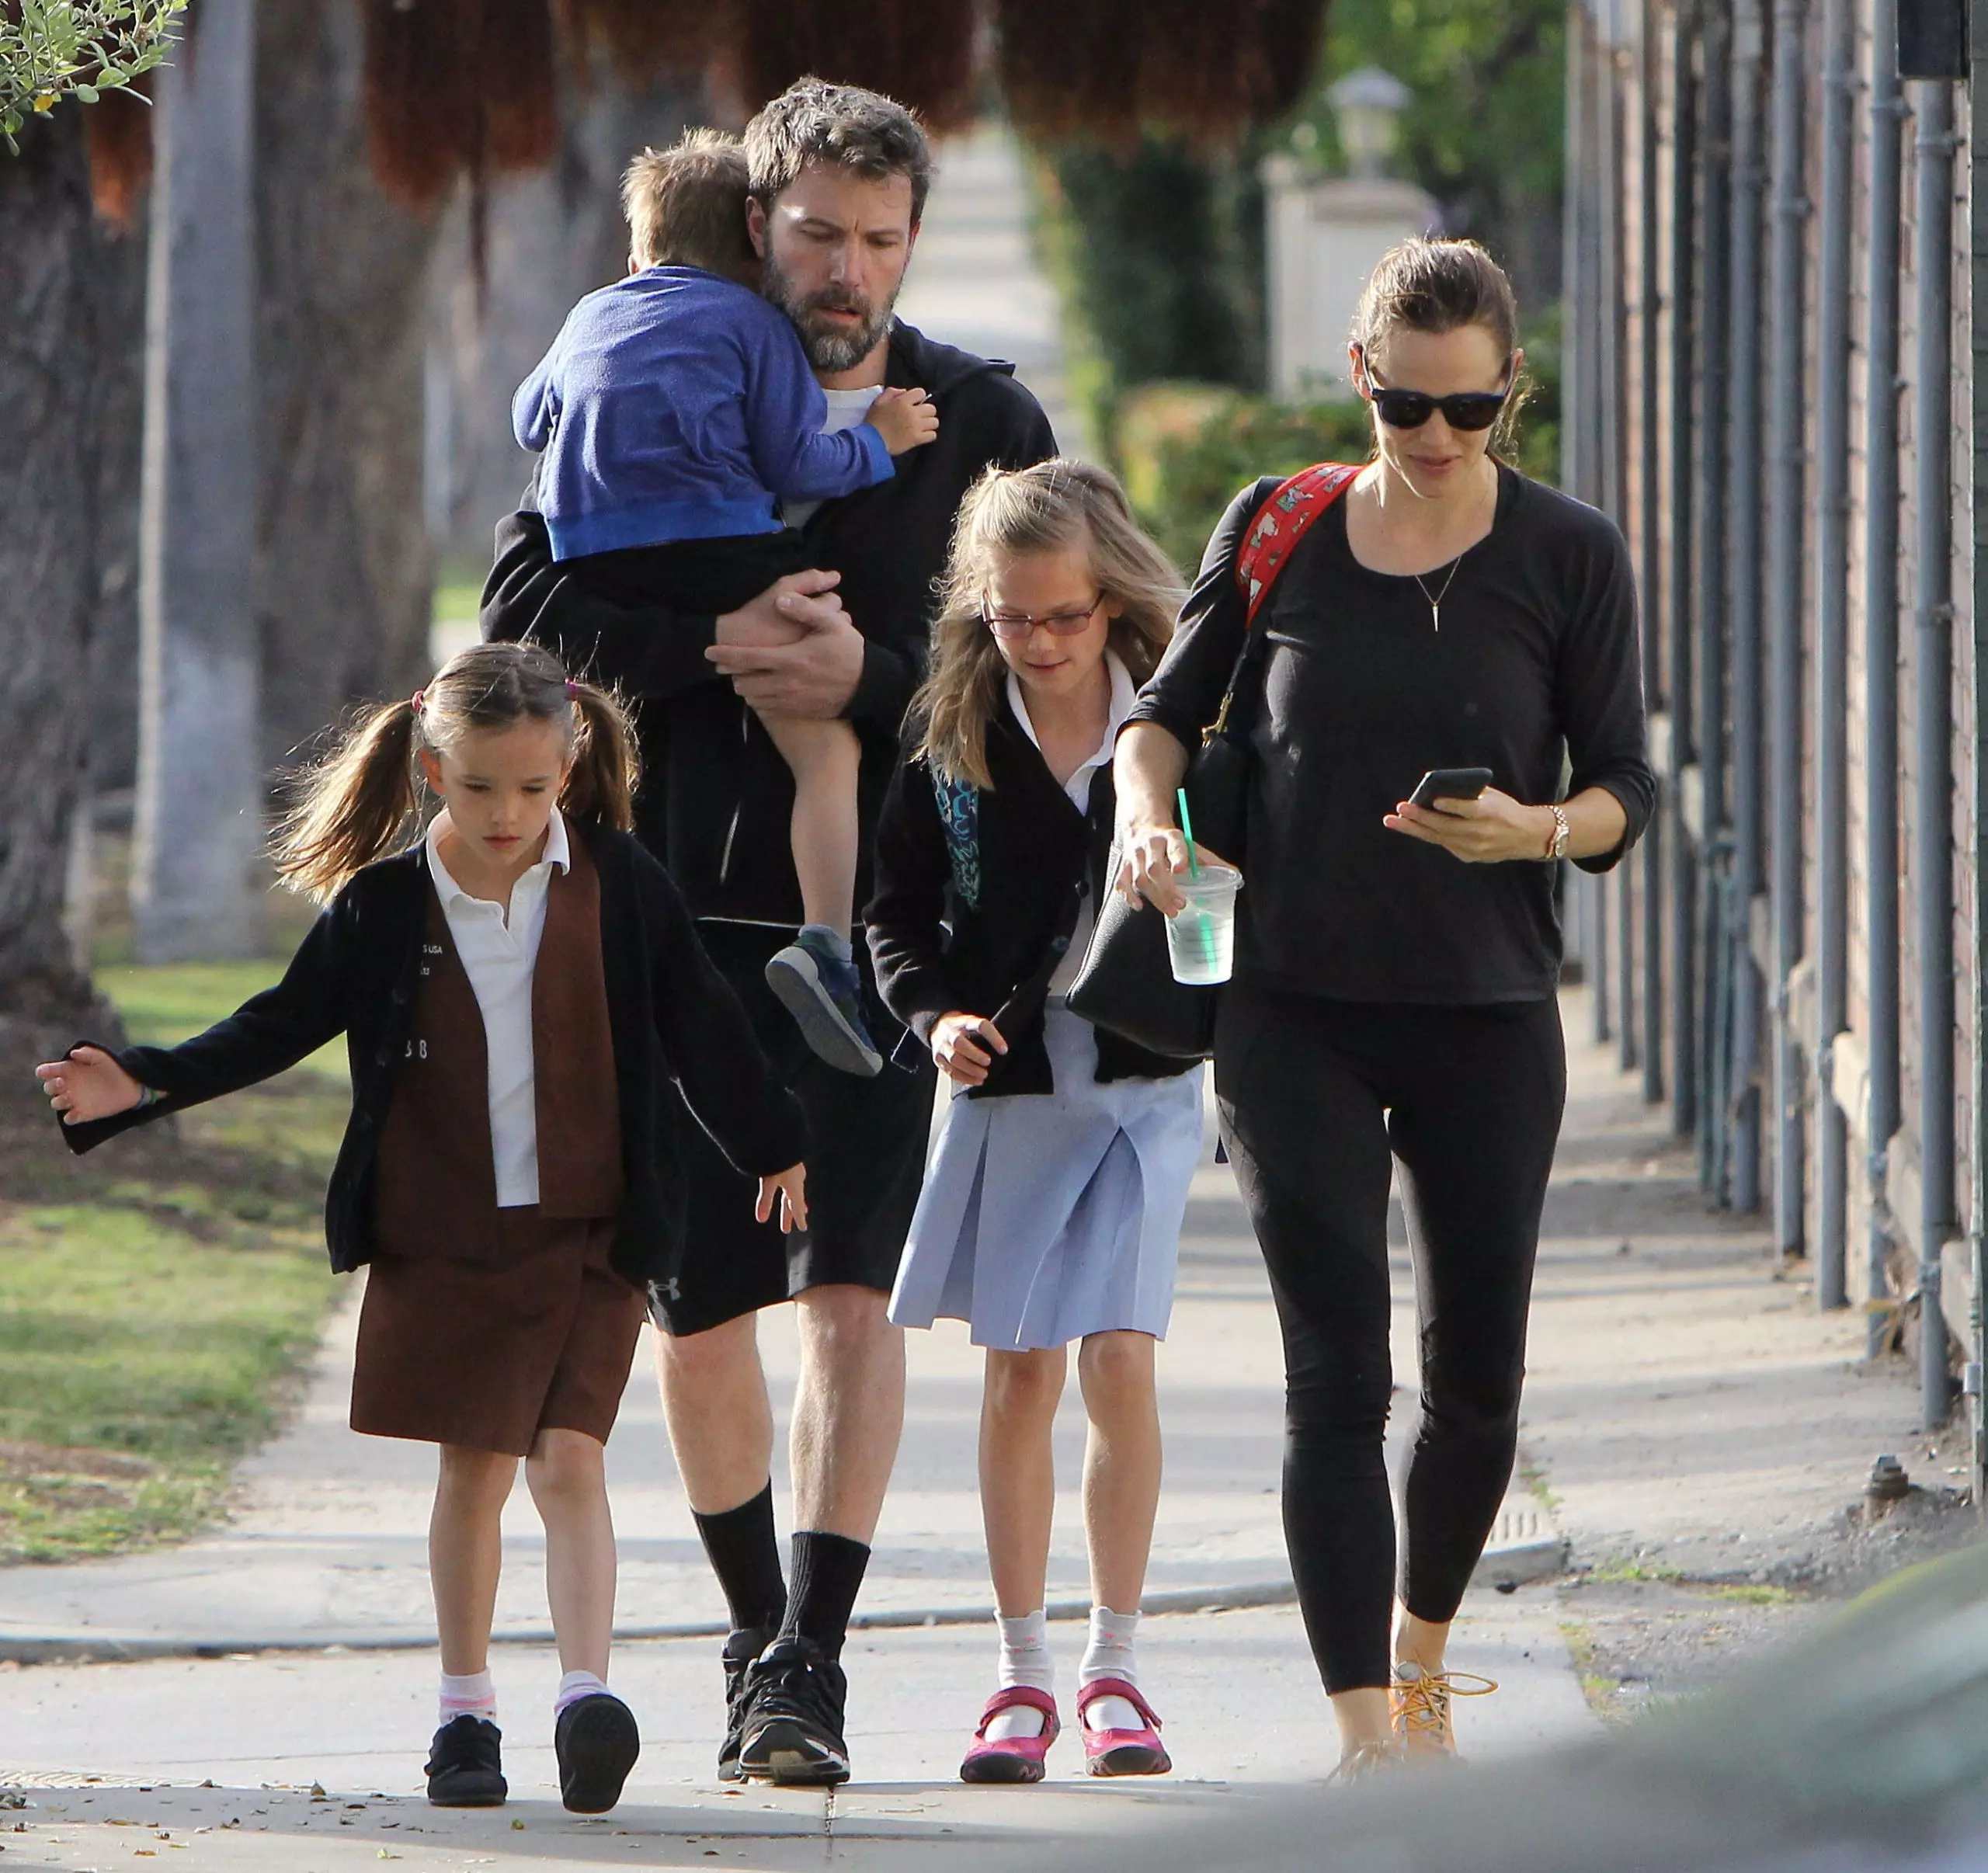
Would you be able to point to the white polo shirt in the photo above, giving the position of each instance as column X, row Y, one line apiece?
column 1124, row 694
column 498, row 954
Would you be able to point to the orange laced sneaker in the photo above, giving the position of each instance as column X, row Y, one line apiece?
column 1419, row 1707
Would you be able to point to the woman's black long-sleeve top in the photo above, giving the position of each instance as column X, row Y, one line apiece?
column 1536, row 658
column 976, row 900
column 673, row 1017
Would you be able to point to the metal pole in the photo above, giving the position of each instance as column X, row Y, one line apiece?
column 1650, row 490
column 1786, row 538
column 1932, row 720
column 1612, row 306
column 1881, row 845
column 1598, row 286
column 1714, row 366
column 1749, row 764
column 1977, row 1181
column 1686, row 1054
column 1832, row 645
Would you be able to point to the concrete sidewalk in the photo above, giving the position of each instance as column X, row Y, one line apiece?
column 1685, row 1409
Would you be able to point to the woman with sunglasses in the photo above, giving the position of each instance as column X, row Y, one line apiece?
column 1393, row 1002
column 1053, row 1199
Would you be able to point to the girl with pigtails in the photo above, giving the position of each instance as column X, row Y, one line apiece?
column 518, row 985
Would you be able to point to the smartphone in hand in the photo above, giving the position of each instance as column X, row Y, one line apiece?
column 1449, row 783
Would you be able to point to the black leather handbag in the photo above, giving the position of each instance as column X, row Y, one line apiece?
column 1126, row 984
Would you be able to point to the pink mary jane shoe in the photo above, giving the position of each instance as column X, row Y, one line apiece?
column 1012, row 1759
column 1121, row 1752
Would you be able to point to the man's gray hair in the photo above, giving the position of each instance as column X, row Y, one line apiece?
column 841, row 126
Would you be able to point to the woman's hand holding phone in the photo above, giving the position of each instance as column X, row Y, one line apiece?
column 1488, row 830
column 957, row 1047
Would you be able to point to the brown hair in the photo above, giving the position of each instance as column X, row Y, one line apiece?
column 843, row 127
column 686, row 205
column 1444, row 286
column 362, row 800
column 1437, row 287
column 1056, row 505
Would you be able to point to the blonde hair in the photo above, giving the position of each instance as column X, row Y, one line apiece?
column 362, row 800
column 1056, row 505
column 686, row 205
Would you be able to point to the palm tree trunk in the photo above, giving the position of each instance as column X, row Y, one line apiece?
column 199, row 831
column 47, row 556
column 343, row 570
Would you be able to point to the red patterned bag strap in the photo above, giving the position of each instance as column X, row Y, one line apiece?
column 1281, row 522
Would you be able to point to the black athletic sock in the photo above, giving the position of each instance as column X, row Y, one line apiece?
column 827, row 1576
column 744, row 1554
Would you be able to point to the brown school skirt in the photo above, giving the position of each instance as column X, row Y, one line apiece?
column 490, row 1352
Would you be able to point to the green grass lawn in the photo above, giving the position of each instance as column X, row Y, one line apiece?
column 159, row 1298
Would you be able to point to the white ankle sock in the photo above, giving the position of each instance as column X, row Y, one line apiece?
column 470, row 1695
column 575, row 1686
column 1025, row 1660
column 1110, row 1654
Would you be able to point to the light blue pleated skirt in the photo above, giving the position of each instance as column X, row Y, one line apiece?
column 1047, row 1216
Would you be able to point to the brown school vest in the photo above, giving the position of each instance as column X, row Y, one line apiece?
column 435, row 1177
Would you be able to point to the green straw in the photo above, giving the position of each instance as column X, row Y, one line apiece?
column 1194, row 872
column 1188, row 827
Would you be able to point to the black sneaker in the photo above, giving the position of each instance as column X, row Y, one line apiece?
column 465, row 1767
column 794, row 1718
column 597, row 1742
column 741, row 1652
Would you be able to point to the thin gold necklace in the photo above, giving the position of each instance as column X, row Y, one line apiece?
column 1436, row 603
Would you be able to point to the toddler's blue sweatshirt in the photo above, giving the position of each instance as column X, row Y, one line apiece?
column 676, row 404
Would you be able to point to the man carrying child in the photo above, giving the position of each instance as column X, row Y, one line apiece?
column 838, row 179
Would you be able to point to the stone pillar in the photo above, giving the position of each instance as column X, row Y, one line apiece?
column 1324, row 235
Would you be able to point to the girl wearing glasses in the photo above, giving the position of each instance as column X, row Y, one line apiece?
column 1053, row 1196
column 1394, row 1000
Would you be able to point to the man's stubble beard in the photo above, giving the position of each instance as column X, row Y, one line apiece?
column 828, row 348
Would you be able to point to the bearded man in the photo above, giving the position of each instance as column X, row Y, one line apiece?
column 839, row 177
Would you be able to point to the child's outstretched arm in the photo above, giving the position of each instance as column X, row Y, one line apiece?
column 267, row 1033
column 87, row 1084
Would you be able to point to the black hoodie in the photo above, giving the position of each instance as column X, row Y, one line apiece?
column 716, row 797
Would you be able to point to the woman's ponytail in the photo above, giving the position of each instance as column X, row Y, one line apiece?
column 352, row 806
column 607, row 765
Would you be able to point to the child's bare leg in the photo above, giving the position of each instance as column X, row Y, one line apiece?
column 824, row 757
column 1121, row 1498
column 465, row 1552
column 567, row 1473
column 1017, row 1506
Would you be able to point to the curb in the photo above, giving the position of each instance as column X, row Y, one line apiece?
column 1505, row 1566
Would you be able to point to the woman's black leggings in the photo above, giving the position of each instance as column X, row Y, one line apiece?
column 1316, row 1097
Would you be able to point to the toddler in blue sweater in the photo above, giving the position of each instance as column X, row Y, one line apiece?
column 674, row 412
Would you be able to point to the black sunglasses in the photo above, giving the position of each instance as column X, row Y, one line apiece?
column 1407, row 409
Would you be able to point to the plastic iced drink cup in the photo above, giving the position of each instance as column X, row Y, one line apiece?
column 1200, row 938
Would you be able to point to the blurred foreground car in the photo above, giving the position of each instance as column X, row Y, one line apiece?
column 1864, row 1749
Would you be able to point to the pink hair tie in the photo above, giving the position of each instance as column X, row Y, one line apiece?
column 572, row 688
column 420, row 697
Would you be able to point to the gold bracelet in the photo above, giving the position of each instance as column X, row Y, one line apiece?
column 1556, row 846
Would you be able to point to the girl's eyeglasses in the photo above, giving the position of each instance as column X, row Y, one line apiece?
column 1407, row 409
column 1058, row 623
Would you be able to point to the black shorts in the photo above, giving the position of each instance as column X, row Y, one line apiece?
column 866, row 1163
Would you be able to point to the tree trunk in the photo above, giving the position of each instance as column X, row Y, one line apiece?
column 343, row 575
column 47, row 557
column 199, row 832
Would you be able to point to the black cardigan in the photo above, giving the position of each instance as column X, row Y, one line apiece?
column 976, row 904
column 673, row 1016
column 717, row 798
